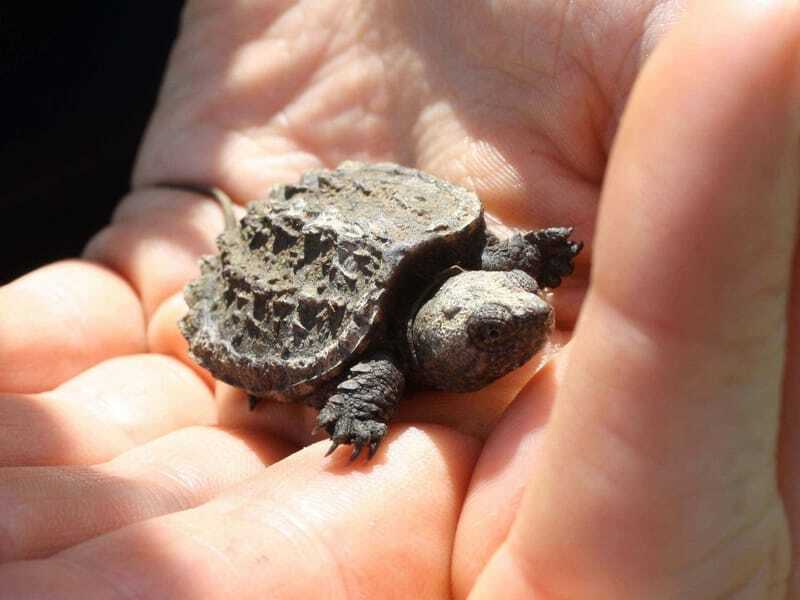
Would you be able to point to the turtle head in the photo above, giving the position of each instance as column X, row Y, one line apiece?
column 478, row 326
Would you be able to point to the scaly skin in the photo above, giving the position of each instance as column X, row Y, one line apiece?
column 363, row 404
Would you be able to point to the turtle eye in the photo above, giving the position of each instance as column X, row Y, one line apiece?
column 491, row 326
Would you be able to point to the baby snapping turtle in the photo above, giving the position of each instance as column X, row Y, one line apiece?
column 342, row 290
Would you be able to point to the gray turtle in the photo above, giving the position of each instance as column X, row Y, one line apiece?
column 355, row 283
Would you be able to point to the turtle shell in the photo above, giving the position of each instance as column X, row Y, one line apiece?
column 305, row 282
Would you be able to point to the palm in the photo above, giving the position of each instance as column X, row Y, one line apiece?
column 519, row 102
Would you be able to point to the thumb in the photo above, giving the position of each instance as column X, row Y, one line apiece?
column 656, row 475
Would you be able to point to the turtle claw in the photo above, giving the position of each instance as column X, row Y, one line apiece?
column 333, row 447
column 358, row 412
column 356, row 451
column 343, row 427
column 373, row 448
column 358, row 446
column 253, row 402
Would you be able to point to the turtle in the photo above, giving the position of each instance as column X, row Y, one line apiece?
column 357, row 283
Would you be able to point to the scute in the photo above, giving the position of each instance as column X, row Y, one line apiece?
column 305, row 282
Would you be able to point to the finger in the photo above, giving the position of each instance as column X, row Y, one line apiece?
column 155, row 240
column 308, row 527
column 292, row 421
column 61, row 319
column 46, row 509
column 106, row 410
column 501, row 476
column 656, row 472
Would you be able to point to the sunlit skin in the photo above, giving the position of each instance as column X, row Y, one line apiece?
column 655, row 455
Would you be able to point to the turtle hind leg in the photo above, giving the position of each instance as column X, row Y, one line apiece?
column 362, row 405
column 547, row 255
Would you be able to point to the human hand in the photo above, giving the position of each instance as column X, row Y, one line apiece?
column 639, row 463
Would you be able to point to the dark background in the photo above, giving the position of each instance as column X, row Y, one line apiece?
column 78, row 81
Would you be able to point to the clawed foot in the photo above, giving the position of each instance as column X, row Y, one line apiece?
column 346, row 424
column 557, row 251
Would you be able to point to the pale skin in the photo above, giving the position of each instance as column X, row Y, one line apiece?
column 656, row 455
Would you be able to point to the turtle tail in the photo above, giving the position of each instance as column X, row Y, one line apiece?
column 227, row 207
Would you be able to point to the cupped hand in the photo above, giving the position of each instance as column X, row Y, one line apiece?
column 654, row 455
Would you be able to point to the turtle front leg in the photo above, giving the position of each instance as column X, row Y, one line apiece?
column 362, row 405
column 547, row 255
